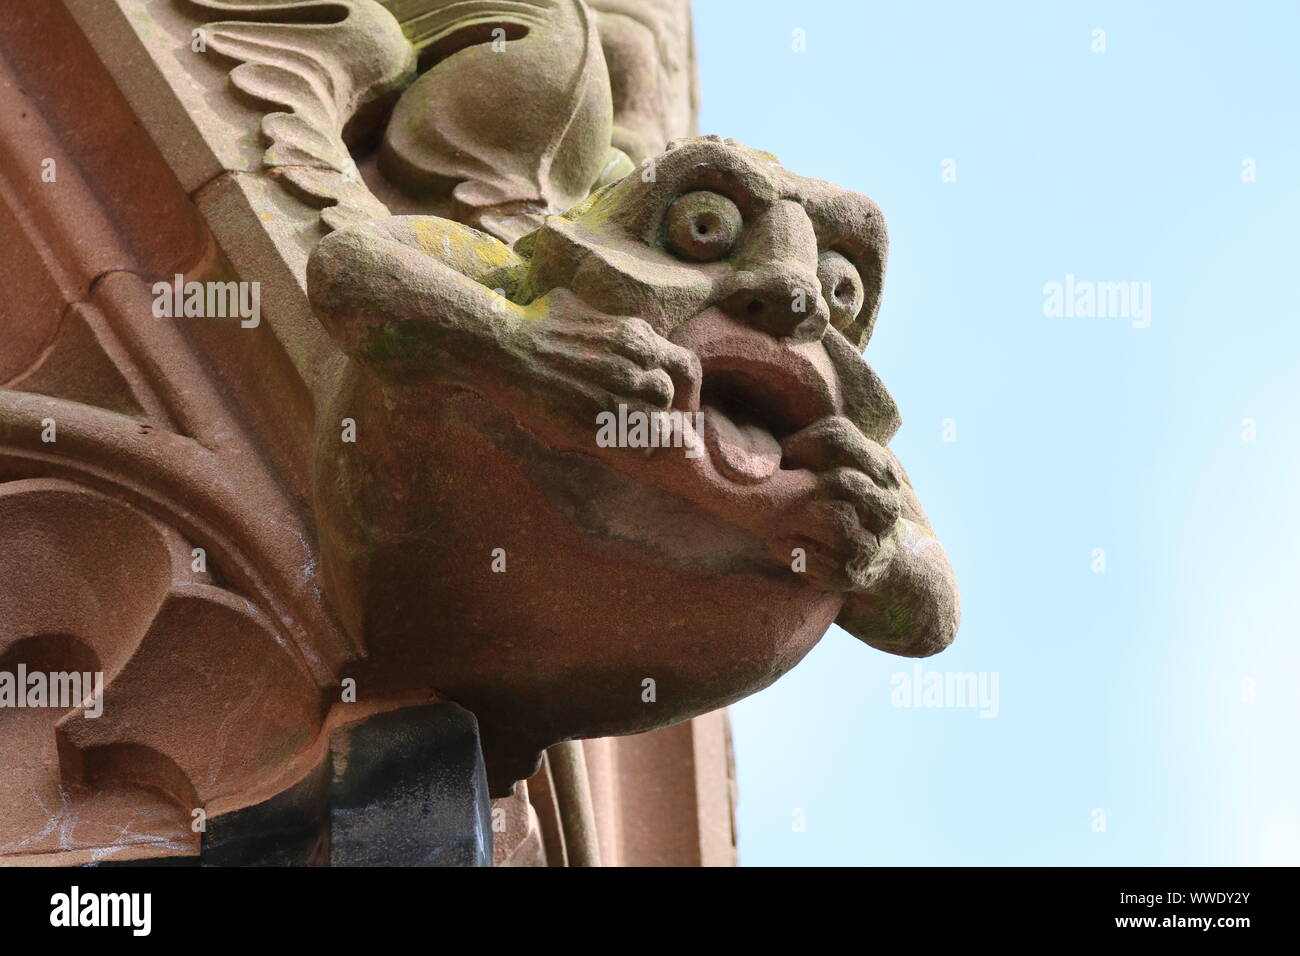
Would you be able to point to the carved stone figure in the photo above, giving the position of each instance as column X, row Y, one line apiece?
column 724, row 285
column 553, row 424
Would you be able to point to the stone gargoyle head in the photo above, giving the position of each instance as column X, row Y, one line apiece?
column 626, row 471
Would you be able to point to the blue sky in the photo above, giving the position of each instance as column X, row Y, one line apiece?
column 1147, row 712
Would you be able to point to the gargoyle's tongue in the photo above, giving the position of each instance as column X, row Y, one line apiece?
column 740, row 446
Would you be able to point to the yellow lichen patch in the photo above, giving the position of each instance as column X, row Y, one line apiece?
column 493, row 253
column 536, row 310
column 471, row 251
column 430, row 236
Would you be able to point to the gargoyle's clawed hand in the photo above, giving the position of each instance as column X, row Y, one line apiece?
column 900, row 594
column 852, row 506
column 591, row 363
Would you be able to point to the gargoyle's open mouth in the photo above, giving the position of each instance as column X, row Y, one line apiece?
column 755, row 391
column 748, row 410
column 742, row 430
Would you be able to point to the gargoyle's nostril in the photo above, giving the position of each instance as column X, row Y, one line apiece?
column 810, row 329
column 756, row 307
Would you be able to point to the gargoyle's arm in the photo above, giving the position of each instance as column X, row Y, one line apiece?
column 411, row 296
column 912, row 608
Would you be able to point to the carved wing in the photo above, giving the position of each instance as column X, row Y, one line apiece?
column 325, row 62
column 513, row 116
column 511, row 119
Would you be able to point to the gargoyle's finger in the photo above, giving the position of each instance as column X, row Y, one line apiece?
column 823, row 565
column 625, row 344
column 837, row 442
column 637, row 340
column 588, row 398
column 655, row 387
column 683, row 367
column 831, row 557
column 633, row 339
column 626, row 382
column 877, row 508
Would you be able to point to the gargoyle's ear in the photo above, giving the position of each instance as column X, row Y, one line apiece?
column 873, row 276
column 866, row 400
column 853, row 225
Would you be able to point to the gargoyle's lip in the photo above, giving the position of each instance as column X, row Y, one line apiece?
column 755, row 391
column 787, row 387
column 772, row 396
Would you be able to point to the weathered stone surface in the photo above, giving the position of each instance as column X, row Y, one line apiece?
column 203, row 534
column 481, row 371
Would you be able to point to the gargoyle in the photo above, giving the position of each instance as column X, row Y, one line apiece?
column 224, row 521
column 480, row 542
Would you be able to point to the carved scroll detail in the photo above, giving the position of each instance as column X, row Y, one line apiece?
column 511, row 120
column 324, row 62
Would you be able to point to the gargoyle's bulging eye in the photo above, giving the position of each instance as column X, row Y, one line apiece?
column 841, row 287
column 702, row 226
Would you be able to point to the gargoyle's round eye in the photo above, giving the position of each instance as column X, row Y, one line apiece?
column 842, row 288
column 702, row 226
